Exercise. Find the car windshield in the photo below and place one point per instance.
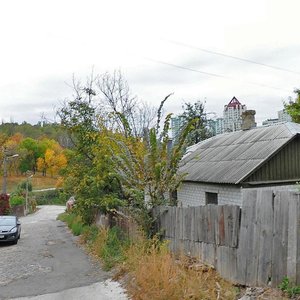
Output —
(7, 221)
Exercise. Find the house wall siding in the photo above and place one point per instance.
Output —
(274, 188)
(193, 194)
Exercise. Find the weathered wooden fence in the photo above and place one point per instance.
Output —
(258, 244)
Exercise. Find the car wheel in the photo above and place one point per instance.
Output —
(19, 236)
(15, 242)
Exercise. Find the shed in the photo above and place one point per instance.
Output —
(218, 169)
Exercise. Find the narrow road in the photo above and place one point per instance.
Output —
(47, 263)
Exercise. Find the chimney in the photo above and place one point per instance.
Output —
(248, 119)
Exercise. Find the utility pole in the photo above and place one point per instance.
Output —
(26, 197)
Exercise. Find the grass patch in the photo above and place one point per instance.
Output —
(110, 245)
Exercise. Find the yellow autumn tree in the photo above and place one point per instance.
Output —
(53, 160)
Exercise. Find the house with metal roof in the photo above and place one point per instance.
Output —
(218, 169)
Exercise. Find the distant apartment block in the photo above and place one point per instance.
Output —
(283, 117)
(232, 115)
(216, 126)
(176, 124)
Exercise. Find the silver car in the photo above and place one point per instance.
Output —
(10, 229)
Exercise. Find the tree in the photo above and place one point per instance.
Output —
(52, 159)
(29, 153)
(151, 165)
(195, 111)
(90, 173)
(119, 105)
(293, 107)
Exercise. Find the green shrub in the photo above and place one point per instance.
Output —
(290, 289)
(23, 184)
(49, 197)
(16, 200)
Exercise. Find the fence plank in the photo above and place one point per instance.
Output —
(265, 236)
(280, 239)
(221, 226)
(293, 256)
(245, 250)
(211, 223)
(227, 262)
(209, 254)
(187, 226)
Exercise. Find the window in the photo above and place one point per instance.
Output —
(211, 198)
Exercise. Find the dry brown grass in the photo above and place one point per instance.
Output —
(157, 275)
(38, 182)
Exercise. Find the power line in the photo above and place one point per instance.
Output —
(234, 57)
(213, 74)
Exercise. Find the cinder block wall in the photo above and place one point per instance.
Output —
(193, 194)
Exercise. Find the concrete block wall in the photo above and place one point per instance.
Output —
(193, 194)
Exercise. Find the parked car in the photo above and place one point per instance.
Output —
(10, 229)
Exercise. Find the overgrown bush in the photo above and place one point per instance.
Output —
(49, 197)
(16, 200)
(23, 185)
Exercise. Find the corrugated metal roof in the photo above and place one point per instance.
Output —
(231, 157)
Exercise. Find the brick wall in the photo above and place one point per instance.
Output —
(193, 194)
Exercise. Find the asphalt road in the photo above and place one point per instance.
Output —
(47, 261)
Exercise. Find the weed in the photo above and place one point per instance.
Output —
(156, 274)
(89, 234)
(287, 287)
(109, 245)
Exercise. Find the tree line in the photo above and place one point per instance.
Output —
(44, 155)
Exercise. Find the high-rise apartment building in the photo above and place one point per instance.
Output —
(232, 115)
(176, 124)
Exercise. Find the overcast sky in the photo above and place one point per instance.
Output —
(198, 50)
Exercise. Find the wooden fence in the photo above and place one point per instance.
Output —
(257, 244)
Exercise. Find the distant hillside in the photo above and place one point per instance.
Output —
(50, 130)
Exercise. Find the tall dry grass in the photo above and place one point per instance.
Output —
(38, 182)
(157, 275)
